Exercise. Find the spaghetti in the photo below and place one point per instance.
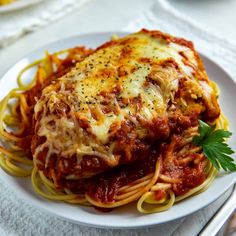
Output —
(168, 170)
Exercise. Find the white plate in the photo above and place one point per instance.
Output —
(17, 5)
(127, 216)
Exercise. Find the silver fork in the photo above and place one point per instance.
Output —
(220, 217)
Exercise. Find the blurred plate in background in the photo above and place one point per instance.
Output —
(18, 4)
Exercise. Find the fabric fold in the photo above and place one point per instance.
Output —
(15, 24)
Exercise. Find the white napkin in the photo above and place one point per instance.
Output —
(17, 23)
(19, 218)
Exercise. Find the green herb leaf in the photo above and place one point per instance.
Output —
(214, 146)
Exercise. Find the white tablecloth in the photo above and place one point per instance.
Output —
(14, 24)
(18, 217)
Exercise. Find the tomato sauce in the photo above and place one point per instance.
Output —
(104, 186)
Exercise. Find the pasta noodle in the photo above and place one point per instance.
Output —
(155, 189)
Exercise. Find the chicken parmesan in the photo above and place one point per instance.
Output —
(117, 124)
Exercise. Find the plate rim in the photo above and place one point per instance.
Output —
(34, 202)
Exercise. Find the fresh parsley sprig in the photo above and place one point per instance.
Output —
(214, 146)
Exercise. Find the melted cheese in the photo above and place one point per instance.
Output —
(90, 84)
(131, 70)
